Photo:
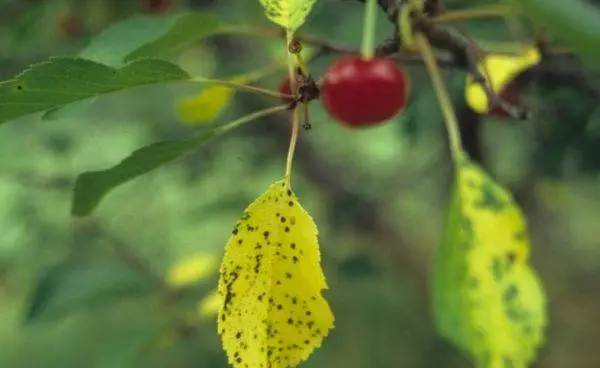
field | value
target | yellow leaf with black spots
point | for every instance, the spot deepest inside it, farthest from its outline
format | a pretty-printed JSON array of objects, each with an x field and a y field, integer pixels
[
  {"x": 272, "y": 312},
  {"x": 488, "y": 299}
]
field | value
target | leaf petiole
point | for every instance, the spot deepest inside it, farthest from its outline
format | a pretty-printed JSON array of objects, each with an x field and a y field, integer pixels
[
  {"x": 250, "y": 117},
  {"x": 295, "y": 119},
  {"x": 443, "y": 97},
  {"x": 241, "y": 86}
]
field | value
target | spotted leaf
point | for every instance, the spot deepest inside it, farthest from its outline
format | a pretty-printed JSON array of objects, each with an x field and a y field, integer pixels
[
  {"x": 487, "y": 298},
  {"x": 272, "y": 312},
  {"x": 289, "y": 14}
]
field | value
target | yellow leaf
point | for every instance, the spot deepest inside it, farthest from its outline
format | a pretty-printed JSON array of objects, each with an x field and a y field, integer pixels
[
  {"x": 191, "y": 269},
  {"x": 487, "y": 298},
  {"x": 206, "y": 106},
  {"x": 501, "y": 69},
  {"x": 273, "y": 313},
  {"x": 210, "y": 304},
  {"x": 289, "y": 14}
]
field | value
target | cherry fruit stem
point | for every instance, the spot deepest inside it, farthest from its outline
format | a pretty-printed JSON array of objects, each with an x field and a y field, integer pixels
[
  {"x": 370, "y": 24},
  {"x": 443, "y": 98}
]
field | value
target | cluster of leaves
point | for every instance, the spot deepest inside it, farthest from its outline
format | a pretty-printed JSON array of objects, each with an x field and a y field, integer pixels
[{"x": 487, "y": 298}]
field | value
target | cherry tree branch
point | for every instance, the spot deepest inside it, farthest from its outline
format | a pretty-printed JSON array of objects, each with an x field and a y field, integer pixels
[{"x": 466, "y": 55}]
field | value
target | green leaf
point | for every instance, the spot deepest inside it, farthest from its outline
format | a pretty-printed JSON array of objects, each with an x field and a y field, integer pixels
[
  {"x": 91, "y": 187},
  {"x": 576, "y": 22},
  {"x": 137, "y": 37},
  {"x": 150, "y": 36},
  {"x": 68, "y": 287},
  {"x": 183, "y": 31},
  {"x": 289, "y": 14},
  {"x": 61, "y": 81},
  {"x": 120, "y": 39},
  {"x": 487, "y": 299},
  {"x": 66, "y": 111}
]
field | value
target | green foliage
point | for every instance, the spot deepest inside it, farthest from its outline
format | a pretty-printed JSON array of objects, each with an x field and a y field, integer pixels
[
  {"x": 147, "y": 36},
  {"x": 183, "y": 31},
  {"x": 141, "y": 37},
  {"x": 72, "y": 286},
  {"x": 60, "y": 81},
  {"x": 576, "y": 22},
  {"x": 91, "y": 187},
  {"x": 488, "y": 300}
]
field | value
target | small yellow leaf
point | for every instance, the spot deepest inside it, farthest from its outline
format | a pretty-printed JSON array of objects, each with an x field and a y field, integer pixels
[
  {"x": 210, "y": 304},
  {"x": 289, "y": 14},
  {"x": 488, "y": 299},
  {"x": 273, "y": 313},
  {"x": 191, "y": 269},
  {"x": 206, "y": 106},
  {"x": 501, "y": 69}
]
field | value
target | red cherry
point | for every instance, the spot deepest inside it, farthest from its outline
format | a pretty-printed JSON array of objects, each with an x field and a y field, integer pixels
[
  {"x": 285, "y": 88},
  {"x": 511, "y": 94},
  {"x": 156, "y": 6},
  {"x": 359, "y": 92}
]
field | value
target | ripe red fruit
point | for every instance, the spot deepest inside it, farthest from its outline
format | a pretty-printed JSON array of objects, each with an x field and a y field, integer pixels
[
  {"x": 511, "y": 94},
  {"x": 285, "y": 87},
  {"x": 156, "y": 6},
  {"x": 359, "y": 92}
]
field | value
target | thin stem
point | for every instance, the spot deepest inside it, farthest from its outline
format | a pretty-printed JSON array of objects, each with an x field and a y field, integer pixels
[
  {"x": 255, "y": 75},
  {"x": 250, "y": 117},
  {"x": 295, "y": 119},
  {"x": 477, "y": 13},
  {"x": 240, "y": 86},
  {"x": 301, "y": 63},
  {"x": 370, "y": 24},
  {"x": 292, "y": 149},
  {"x": 443, "y": 97}
]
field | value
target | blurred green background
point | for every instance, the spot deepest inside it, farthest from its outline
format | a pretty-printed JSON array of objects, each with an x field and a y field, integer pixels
[{"x": 93, "y": 292}]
